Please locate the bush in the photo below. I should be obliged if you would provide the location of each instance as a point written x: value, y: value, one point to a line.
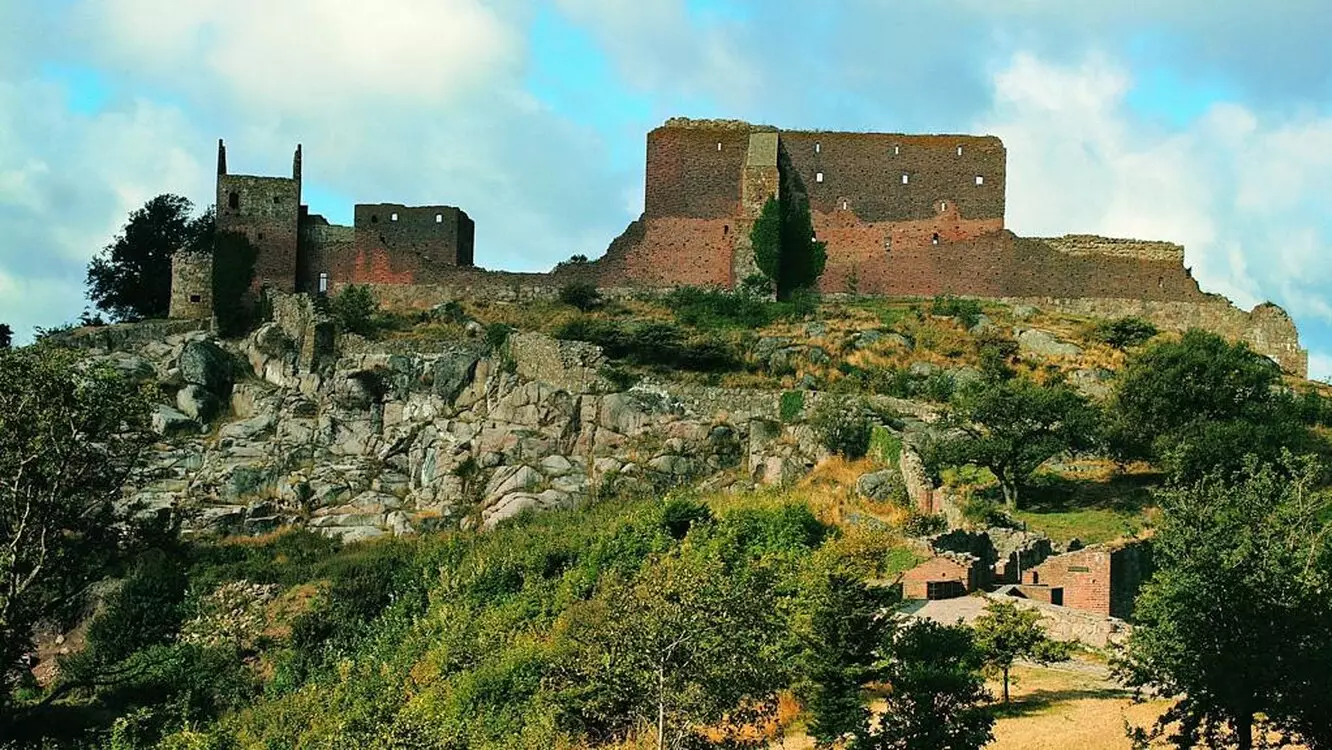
x: 925, y: 524
x: 1124, y: 333
x: 651, y: 343
x: 748, y: 308
x: 843, y: 426
x: 792, y: 405
x: 966, y: 311
x: 581, y: 294
x: 354, y: 309
x: 884, y: 446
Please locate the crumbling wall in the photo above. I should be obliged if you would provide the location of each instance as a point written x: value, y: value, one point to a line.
x: 267, y: 211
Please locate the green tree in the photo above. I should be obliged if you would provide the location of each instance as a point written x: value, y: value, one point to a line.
x: 683, y: 645
x: 937, y: 694
x: 354, y: 308
x: 841, y: 628
x: 766, y: 239
x: 843, y: 425
x: 131, y: 278
x: 1006, y: 633
x: 6, y: 336
x: 234, y: 304
x: 1199, y: 404
x: 1236, y: 622
x: 1013, y: 426
x: 71, y: 434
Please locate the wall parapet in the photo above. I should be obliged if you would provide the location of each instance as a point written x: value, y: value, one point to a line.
x: 1080, y: 245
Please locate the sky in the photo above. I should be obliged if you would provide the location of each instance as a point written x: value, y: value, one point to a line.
x: 1202, y: 122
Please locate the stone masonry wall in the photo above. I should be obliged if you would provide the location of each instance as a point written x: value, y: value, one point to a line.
x: 267, y: 211
x: 191, y: 286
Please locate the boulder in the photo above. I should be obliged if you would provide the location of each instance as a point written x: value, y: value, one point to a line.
x: 879, y: 485
x: 509, y: 479
x: 923, y: 369
x: 1044, y: 343
x: 197, y: 403
x: 205, y: 364
x: 169, y: 422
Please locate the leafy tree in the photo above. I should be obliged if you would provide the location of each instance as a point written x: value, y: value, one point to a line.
x: 844, y: 426
x: 1124, y: 333
x: 6, y: 336
x: 354, y: 308
x: 1013, y: 426
x: 1006, y: 633
x: 1236, y: 622
x: 71, y: 434
x: 682, y: 645
x: 581, y: 294
x: 937, y: 694
x: 766, y: 238
x: 841, y: 627
x: 131, y: 278
x: 1200, y: 404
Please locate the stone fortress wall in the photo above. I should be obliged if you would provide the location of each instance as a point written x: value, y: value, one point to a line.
x: 901, y: 215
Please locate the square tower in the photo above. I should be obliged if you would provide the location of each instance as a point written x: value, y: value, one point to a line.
x: 266, y: 210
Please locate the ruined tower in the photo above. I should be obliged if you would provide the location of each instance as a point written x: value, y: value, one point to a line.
x: 266, y: 210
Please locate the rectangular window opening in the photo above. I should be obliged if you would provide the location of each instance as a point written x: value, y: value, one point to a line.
x: 1079, y: 569
x: 906, y: 179
x: 818, y: 147
x: 980, y: 180
x: 323, y: 283
x: 393, y: 217
x: 897, y: 150
x: 439, y: 218
x: 719, y: 145
x: 195, y: 298
x: 818, y: 177
x: 959, y: 150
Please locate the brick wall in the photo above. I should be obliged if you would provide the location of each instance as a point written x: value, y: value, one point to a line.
x: 422, y: 245
x: 915, y: 581
x: 694, y: 171
x: 673, y: 251
x: 267, y: 211
x: 1084, y: 576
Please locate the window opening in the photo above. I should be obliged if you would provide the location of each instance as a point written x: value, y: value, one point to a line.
x: 818, y: 177
x: 1079, y: 569
x: 261, y: 235
x: 906, y: 178
x: 943, y: 206
x: 959, y: 150
x: 980, y: 180
x: 374, y: 218
x: 195, y: 298
x: 888, y: 244
x: 719, y: 145
x: 233, y: 200
x: 439, y: 218
x: 393, y: 217
x: 935, y: 238
x: 818, y: 147
x: 726, y: 229
x: 1035, y: 577
x: 845, y: 205
x: 897, y: 150
x: 323, y: 283
x: 277, y: 199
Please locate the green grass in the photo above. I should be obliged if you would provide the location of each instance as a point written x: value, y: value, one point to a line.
x: 1090, y: 526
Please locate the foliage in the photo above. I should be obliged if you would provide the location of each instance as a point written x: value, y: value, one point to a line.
x: 755, y: 285
x: 1007, y: 632
x: 1012, y: 427
x: 652, y: 343
x: 938, y: 694
x: 967, y: 311
x: 791, y: 406
x: 843, y: 426
x: 6, y: 336
x: 712, y: 308
x: 131, y: 277
x: 354, y: 309
x: 1124, y: 333
x: 885, y: 446
x: 583, y: 295
x: 1236, y: 624
x: 925, y: 524
x: 840, y: 627
x: 1201, y: 404
x: 71, y: 434
x: 765, y: 236
x: 233, y: 275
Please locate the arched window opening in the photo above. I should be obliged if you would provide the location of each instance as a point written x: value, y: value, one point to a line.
x: 233, y: 200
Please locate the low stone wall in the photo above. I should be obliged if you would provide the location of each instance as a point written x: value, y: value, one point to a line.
x: 1267, y: 328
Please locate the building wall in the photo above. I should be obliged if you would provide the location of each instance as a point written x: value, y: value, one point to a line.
x: 694, y: 170
x: 1097, y: 579
x: 423, y: 245
x: 191, y: 286
x: 267, y: 211
x: 915, y: 581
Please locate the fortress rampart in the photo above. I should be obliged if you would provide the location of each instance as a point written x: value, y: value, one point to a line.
x: 901, y: 215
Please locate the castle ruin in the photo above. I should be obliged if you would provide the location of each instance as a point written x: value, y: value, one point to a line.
x: 901, y: 215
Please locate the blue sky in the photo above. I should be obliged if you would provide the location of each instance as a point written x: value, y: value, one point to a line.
x: 1205, y: 122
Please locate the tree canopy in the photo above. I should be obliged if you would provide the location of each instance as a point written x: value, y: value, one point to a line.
x: 785, y: 248
x: 70, y: 435
x: 1006, y: 633
x: 6, y: 336
x: 1236, y: 622
x: 130, y: 278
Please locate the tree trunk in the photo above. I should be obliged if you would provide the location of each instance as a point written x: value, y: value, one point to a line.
x: 1005, y: 685
x: 1010, y: 492
x: 1244, y: 732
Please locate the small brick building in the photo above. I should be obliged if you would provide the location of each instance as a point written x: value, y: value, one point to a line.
x: 944, y: 576
x: 1102, y: 578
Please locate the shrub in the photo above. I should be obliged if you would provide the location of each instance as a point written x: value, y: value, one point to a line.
x: 581, y: 294
x: 354, y: 309
x: 884, y: 445
x: 1124, y: 333
x: 966, y: 311
x: 791, y: 406
x: 843, y: 425
x: 497, y: 334
x: 925, y: 524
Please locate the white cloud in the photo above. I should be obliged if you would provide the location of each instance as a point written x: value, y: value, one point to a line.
x: 1241, y: 191
x: 308, y: 55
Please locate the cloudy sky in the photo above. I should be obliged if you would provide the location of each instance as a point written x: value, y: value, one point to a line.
x: 1204, y: 122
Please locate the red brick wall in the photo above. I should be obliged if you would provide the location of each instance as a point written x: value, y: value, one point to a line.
x: 687, y: 176
x: 1084, y: 576
x: 865, y: 170
x: 267, y: 213
x: 936, y: 569
x: 672, y: 252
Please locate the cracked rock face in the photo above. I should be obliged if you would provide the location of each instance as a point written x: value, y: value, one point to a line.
x: 270, y: 431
